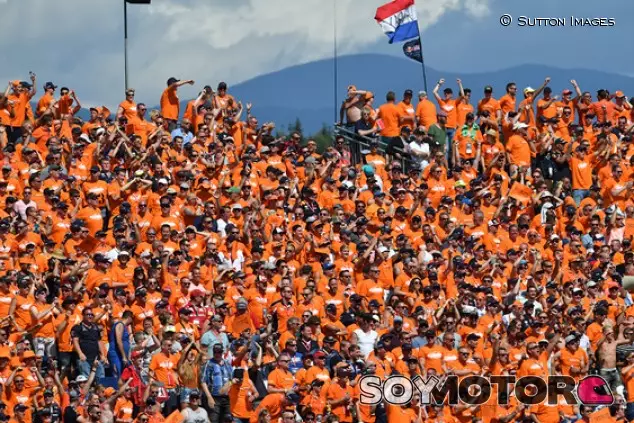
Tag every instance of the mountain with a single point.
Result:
(307, 91)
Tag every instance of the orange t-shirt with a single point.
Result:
(169, 104)
(389, 114)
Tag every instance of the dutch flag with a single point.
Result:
(398, 20)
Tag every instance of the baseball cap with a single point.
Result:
(319, 354)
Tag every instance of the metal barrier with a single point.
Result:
(357, 143)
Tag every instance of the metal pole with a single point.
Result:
(422, 57)
(125, 41)
(334, 5)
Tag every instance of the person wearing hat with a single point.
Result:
(518, 148)
(419, 150)
(425, 111)
(489, 104)
(277, 405)
(573, 361)
(21, 94)
(217, 373)
(448, 112)
(319, 369)
(241, 321)
(184, 326)
(339, 395)
(20, 413)
(193, 412)
(407, 114)
(50, 411)
(47, 100)
(170, 103)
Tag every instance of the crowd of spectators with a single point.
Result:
(193, 266)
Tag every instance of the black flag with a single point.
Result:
(413, 50)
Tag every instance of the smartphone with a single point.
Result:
(238, 374)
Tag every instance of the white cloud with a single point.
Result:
(79, 43)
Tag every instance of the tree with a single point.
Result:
(323, 138)
(296, 127)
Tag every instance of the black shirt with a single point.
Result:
(361, 125)
(89, 337)
(70, 415)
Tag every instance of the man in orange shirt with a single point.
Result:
(339, 396)
(507, 101)
(170, 103)
(518, 147)
(389, 115)
(546, 107)
(281, 380)
(163, 368)
(407, 115)
(425, 111)
(490, 104)
(23, 92)
(581, 171)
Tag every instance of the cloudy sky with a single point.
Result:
(79, 43)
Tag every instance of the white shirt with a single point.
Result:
(366, 341)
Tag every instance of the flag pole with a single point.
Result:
(125, 41)
(334, 5)
(422, 57)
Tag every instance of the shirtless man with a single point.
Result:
(352, 106)
(606, 353)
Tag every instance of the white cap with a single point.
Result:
(85, 137)
(163, 181)
(520, 125)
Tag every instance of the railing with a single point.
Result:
(357, 143)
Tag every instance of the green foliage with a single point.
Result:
(324, 138)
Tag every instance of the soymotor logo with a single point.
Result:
(476, 390)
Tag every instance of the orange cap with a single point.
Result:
(619, 94)
(28, 354)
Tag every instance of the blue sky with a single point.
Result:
(78, 43)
